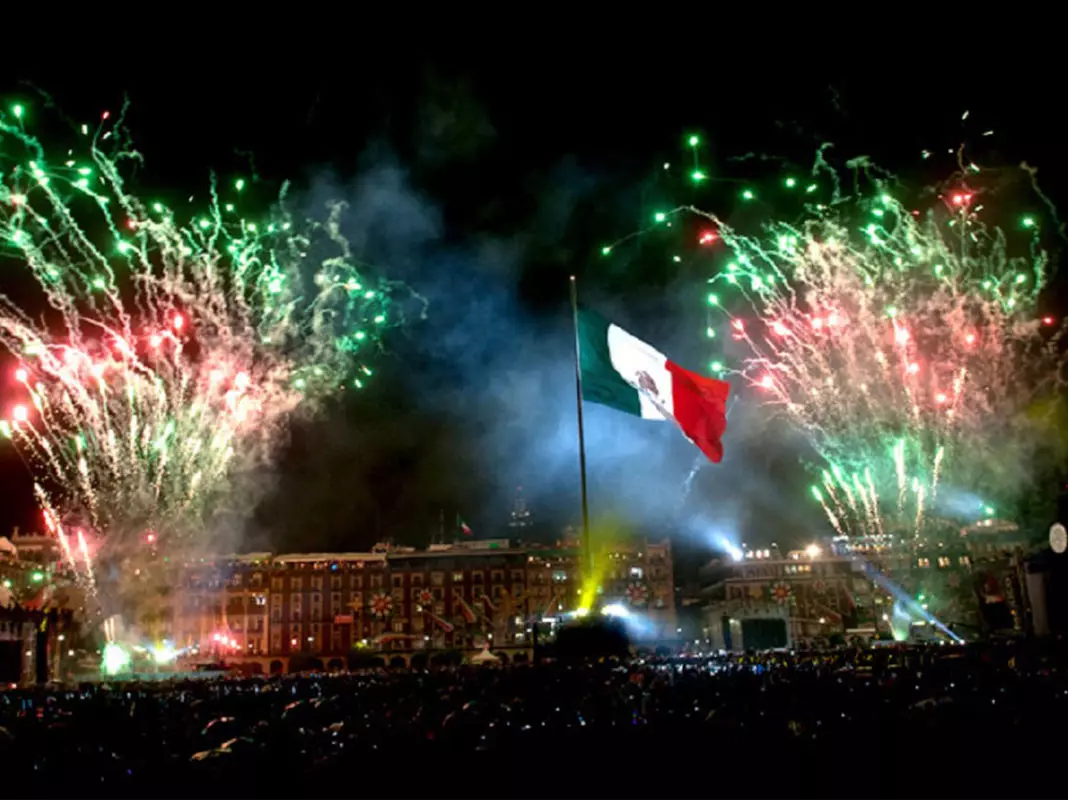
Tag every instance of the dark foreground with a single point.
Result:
(935, 723)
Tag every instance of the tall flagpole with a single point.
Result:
(587, 552)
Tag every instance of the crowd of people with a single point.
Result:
(940, 721)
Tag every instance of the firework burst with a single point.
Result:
(169, 348)
(901, 334)
(906, 344)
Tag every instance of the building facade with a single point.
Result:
(969, 581)
(398, 600)
(641, 576)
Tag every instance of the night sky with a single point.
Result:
(483, 185)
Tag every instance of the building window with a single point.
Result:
(296, 585)
(335, 602)
(357, 581)
(636, 572)
(517, 576)
(335, 582)
(559, 575)
(476, 578)
(457, 577)
(277, 584)
(417, 580)
(295, 611)
(398, 626)
(276, 614)
(376, 581)
(496, 575)
(336, 642)
(276, 641)
(260, 599)
(457, 592)
(256, 581)
(965, 561)
(398, 596)
(437, 578)
(398, 581)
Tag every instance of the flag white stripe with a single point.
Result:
(632, 358)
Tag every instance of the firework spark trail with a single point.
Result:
(835, 523)
(172, 348)
(880, 331)
(698, 464)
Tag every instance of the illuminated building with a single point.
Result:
(36, 612)
(521, 518)
(959, 578)
(401, 602)
(219, 610)
(816, 594)
(39, 549)
(640, 575)
(431, 590)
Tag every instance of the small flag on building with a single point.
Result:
(462, 526)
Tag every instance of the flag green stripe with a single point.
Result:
(600, 381)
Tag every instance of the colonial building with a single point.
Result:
(219, 607)
(459, 597)
(969, 579)
(398, 600)
(640, 575)
(40, 549)
(817, 594)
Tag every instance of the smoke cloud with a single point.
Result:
(479, 398)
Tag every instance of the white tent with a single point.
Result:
(485, 657)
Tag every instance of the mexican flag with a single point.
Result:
(462, 526)
(624, 373)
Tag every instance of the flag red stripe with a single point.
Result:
(700, 406)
